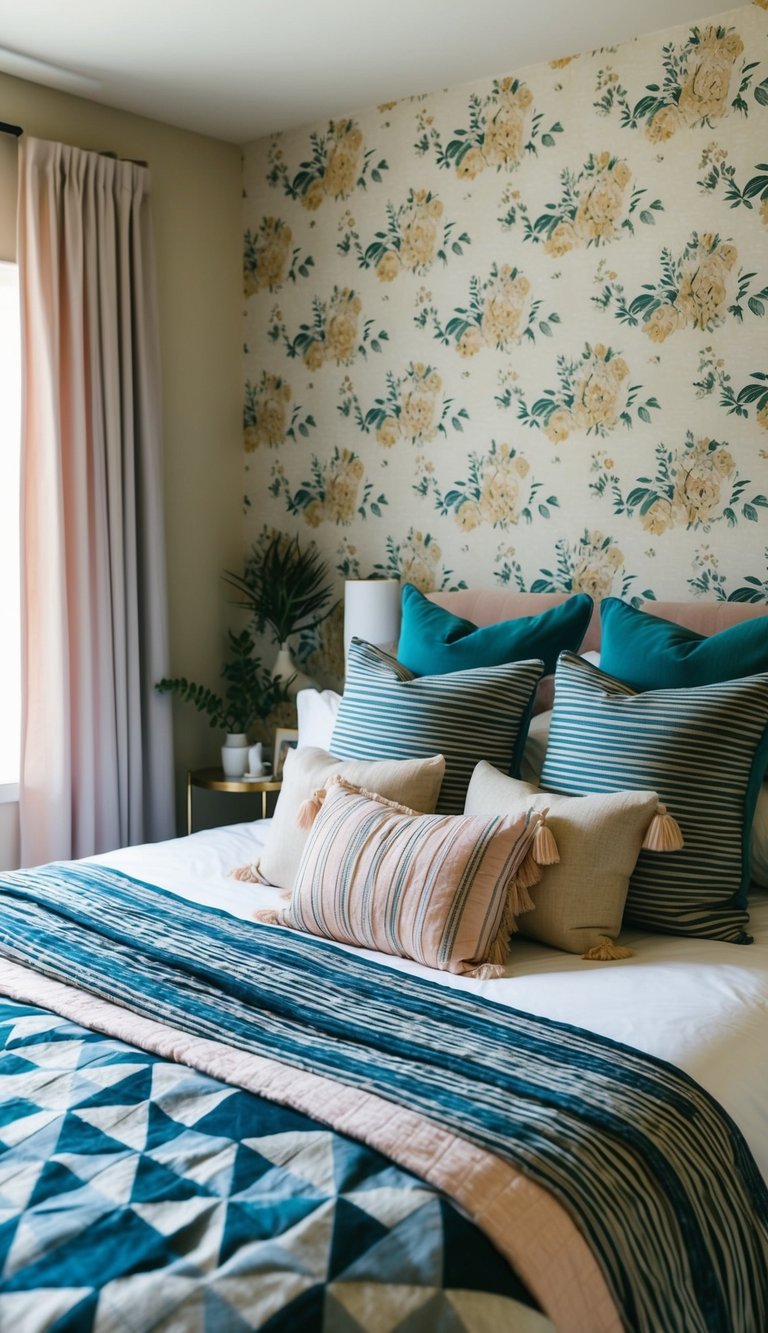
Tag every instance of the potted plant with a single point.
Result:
(250, 694)
(285, 590)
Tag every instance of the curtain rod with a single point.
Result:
(17, 131)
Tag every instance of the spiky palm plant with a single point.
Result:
(284, 588)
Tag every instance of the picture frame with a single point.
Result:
(286, 738)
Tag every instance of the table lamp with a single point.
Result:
(372, 612)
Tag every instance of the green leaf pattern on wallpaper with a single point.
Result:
(416, 234)
(715, 378)
(413, 408)
(517, 331)
(336, 492)
(499, 313)
(502, 127)
(693, 486)
(697, 288)
(597, 204)
(498, 490)
(593, 395)
(270, 259)
(268, 416)
(700, 81)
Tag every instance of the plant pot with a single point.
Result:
(234, 755)
(286, 668)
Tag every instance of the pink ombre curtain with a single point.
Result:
(96, 765)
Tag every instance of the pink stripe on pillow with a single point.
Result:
(441, 889)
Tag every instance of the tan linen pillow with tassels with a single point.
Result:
(441, 889)
(579, 900)
(415, 782)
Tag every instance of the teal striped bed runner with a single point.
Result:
(654, 1173)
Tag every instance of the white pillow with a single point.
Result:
(317, 711)
(533, 761)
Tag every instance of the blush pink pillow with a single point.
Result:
(440, 889)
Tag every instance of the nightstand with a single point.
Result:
(213, 779)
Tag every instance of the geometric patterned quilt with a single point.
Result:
(138, 1194)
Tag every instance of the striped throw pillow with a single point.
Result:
(388, 713)
(704, 751)
(440, 889)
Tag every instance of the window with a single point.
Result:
(10, 428)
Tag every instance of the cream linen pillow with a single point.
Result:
(412, 782)
(579, 902)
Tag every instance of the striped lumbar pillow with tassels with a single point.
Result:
(443, 890)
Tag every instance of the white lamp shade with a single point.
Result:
(371, 611)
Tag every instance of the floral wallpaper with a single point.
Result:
(516, 332)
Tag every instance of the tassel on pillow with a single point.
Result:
(310, 809)
(607, 950)
(545, 851)
(664, 833)
(247, 874)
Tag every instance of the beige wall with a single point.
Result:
(197, 202)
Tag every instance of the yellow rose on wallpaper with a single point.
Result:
(335, 334)
(339, 162)
(661, 322)
(598, 204)
(707, 82)
(266, 419)
(503, 129)
(601, 207)
(600, 391)
(335, 492)
(269, 258)
(415, 235)
(702, 79)
(703, 292)
(657, 518)
(559, 426)
(388, 267)
(563, 239)
(694, 486)
(491, 493)
(414, 408)
(388, 432)
(594, 395)
(500, 313)
(666, 122)
(595, 567)
(698, 288)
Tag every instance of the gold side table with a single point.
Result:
(213, 779)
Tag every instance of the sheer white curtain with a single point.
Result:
(96, 765)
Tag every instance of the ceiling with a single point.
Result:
(239, 69)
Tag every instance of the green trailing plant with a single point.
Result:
(284, 588)
(250, 693)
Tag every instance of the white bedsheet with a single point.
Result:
(700, 1004)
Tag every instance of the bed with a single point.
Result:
(212, 1123)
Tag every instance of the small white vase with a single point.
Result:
(286, 668)
(256, 765)
(234, 755)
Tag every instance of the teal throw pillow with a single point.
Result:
(703, 751)
(650, 653)
(433, 641)
(388, 713)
